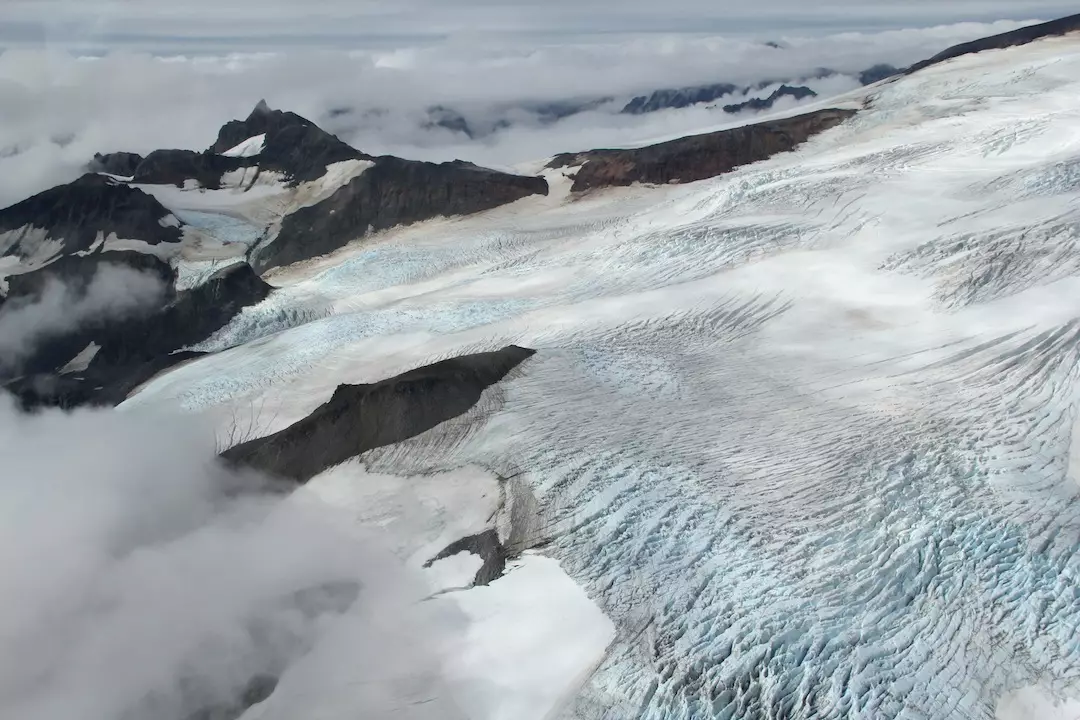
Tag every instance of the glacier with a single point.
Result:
(804, 433)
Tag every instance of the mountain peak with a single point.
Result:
(261, 108)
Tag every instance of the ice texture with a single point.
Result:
(803, 432)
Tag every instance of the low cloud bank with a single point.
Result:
(142, 579)
(59, 109)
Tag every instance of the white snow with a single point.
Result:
(81, 361)
(337, 174)
(164, 251)
(1034, 703)
(36, 248)
(94, 246)
(455, 572)
(533, 639)
(249, 148)
(801, 432)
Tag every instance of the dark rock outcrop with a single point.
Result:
(362, 417)
(439, 116)
(673, 98)
(93, 204)
(96, 386)
(176, 167)
(698, 156)
(1023, 36)
(487, 546)
(877, 73)
(132, 350)
(76, 271)
(392, 192)
(190, 318)
(118, 163)
(51, 352)
(760, 104)
(293, 145)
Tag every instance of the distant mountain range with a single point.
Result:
(479, 123)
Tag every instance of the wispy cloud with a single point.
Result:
(57, 110)
(114, 292)
(340, 22)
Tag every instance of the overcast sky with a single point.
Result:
(214, 24)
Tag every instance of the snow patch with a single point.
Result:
(337, 175)
(36, 248)
(163, 251)
(81, 361)
(249, 148)
(95, 246)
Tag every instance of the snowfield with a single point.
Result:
(802, 435)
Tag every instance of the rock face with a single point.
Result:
(77, 213)
(177, 167)
(383, 192)
(191, 317)
(698, 156)
(51, 352)
(119, 163)
(1022, 36)
(487, 546)
(678, 98)
(391, 192)
(877, 73)
(759, 104)
(293, 145)
(130, 351)
(76, 271)
(361, 417)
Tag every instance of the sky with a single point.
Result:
(274, 24)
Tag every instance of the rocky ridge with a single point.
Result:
(695, 157)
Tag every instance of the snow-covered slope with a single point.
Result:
(802, 432)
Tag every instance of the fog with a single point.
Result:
(143, 579)
(57, 108)
(115, 292)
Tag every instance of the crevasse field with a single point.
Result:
(797, 441)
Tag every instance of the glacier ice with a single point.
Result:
(802, 432)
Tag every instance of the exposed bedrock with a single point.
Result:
(82, 212)
(76, 272)
(392, 192)
(487, 547)
(131, 350)
(192, 317)
(117, 163)
(362, 417)
(177, 167)
(293, 145)
(762, 104)
(696, 157)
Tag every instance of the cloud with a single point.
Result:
(341, 23)
(114, 292)
(57, 110)
(143, 579)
